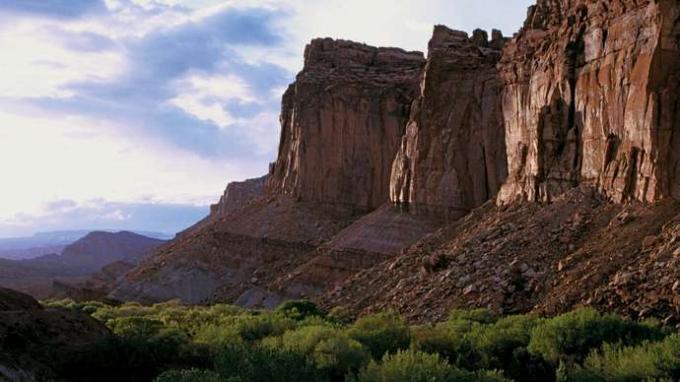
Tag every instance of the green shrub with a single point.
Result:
(414, 366)
(381, 333)
(647, 361)
(190, 375)
(337, 356)
(260, 364)
(571, 336)
(299, 309)
(217, 336)
(253, 328)
(482, 316)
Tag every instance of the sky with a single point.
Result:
(135, 114)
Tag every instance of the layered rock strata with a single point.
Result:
(452, 156)
(342, 122)
(590, 96)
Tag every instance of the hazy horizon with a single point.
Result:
(135, 114)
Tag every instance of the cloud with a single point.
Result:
(53, 8)
(205, 96)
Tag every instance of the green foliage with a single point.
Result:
(482, 316)
(571, 336)
(647, 361)
(414, 366)
(381, 333)
(190, 375)
(297, 342)
(299, 309)
(261, 364)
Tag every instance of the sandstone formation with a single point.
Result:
(237, 195)
(578, 112)
(452, 156)
(590, 96)
(342, 121)
(341, 124)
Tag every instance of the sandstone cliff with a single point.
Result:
(341, 124)
(452, 156)
(590, 96)
(237, 195)
(342, 121)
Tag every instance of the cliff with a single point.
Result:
(590, 96)
(341, 124)
(237, 195)
(342, 121)
(452, 156)
(527, 145)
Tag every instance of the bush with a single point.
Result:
(381, 333)
(260, 364)
(191, 375)
(217, 336)
(648, 361)
(299, 309)
(414, 366)
(571, 336)
(337, 356)
(482, 316)
(253, 328)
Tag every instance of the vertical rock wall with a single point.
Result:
(342, 121)
(453, 153)
(590, 96)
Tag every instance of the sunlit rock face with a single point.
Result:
(452, 156)
(590, 96)
(342, 122)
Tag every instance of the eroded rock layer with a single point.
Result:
(453, 153)
(342, 121)
(590, 96)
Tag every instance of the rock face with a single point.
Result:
(590, 96)
(342, 121)
(453, 153)
(237, 195)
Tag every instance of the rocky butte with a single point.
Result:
(535, 173)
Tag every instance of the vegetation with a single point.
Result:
(297, 342)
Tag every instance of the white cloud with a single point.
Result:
(44, 159)
(37, 63)
(205, 96)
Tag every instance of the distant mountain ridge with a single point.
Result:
(54, 242)
(84, 257)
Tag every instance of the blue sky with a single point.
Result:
(135, 114)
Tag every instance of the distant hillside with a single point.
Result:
(54, 242)
(82, 258)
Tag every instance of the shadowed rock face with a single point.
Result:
(452, 156)
(590, 96)
(237, 195)
(342, 122)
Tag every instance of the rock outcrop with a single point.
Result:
(591, 96)
(237, 195)
(452, 156)
(342, 121)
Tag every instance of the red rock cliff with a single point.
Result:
(342, 121)
(453, 152)
(590, 96)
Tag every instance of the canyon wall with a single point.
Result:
(342, 121)
(237, 195)
(453, 153)
(590, 96)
